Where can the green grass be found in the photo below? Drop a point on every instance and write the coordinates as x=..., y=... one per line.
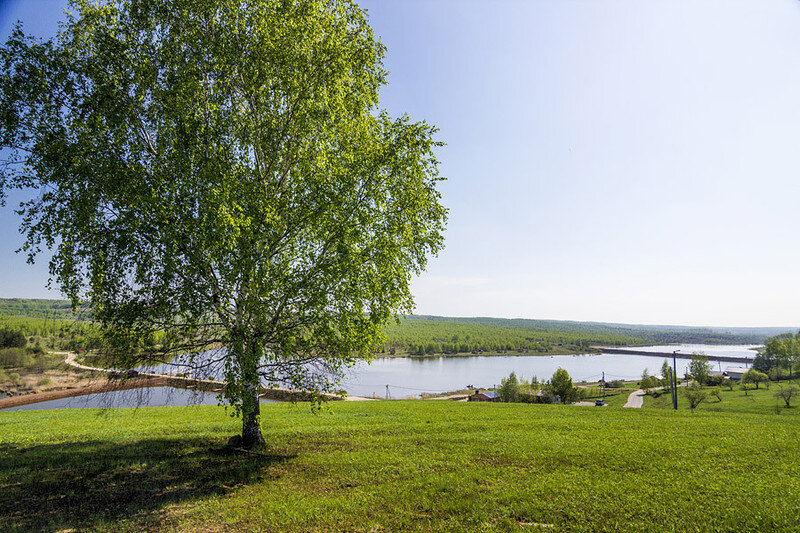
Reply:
x=756, y=401
x=402, y=466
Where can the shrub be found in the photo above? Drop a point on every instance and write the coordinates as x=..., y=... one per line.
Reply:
x=10, y=338
x=14, y=378
x=528, y=397
x=648, y=383
x=13, y=357
x=787, y=393
x=44, y=381
x=616, y=384
x=754, y=376
x=695, y=394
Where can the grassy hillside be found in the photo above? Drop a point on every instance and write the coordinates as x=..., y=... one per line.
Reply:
x=402, y=466
x=755, y=401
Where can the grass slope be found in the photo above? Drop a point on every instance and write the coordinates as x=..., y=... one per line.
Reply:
x=761, y=400
x=402, y=466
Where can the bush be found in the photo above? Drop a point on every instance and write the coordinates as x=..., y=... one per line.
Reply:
x=14, y=357
x=715, y=381
x=648, y=383
x=527, y=397
x=10, y=338
x=14, y=378
x=695, y=394
x=44, y=381
x=616, y=384
x=755, y=377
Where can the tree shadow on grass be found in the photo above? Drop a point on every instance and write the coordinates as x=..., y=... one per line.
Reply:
x=94, y=483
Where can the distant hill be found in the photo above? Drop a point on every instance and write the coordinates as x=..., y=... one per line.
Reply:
x=655, y=333
x=430, y=335
x=39, y=308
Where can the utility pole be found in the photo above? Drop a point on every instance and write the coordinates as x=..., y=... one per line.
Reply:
x=674, y=381
x=603, y=388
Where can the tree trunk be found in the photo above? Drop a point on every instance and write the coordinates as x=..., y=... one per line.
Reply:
x=251, y=429
x=251, y=408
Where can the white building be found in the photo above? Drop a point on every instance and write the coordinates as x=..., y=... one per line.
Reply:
x=736, y=372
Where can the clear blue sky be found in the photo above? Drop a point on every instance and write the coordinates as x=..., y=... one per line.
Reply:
x=608, y=160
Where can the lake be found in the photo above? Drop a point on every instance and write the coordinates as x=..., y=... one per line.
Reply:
x=145, y=397
x=409, y=377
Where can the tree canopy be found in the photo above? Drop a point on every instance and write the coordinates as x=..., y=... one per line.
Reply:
x=219, y=172
x=699, y=368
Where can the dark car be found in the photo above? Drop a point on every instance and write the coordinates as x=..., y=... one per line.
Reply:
x=599, y=403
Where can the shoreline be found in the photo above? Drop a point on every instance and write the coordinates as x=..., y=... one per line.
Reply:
x=110, y=386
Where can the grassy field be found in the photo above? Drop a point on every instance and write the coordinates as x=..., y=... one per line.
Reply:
x=402, y=466
x=761, y=400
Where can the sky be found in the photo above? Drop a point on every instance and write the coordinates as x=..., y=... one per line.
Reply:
x=606, y=160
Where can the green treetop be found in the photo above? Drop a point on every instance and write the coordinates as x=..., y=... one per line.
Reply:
x=218, y=171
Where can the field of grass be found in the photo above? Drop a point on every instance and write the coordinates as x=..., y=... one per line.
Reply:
x=402, y=466
x=761, y=400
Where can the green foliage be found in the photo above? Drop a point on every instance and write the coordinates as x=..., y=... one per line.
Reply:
x=509, y=388
x=787, y=394
x=418, y=336
x=402, y=466
x=12, y=338
x=699, y=368
x=695, y=394
x=40, y=308
x=781, y=352
x=561, y=386
x=219, y=172
x=652, y=334
x=44, y=381
x=754, y=377
x=14, y=357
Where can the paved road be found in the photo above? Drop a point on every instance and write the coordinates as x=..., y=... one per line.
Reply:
x=636, y=399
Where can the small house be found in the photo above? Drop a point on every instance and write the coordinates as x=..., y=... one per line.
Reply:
x=488, y=396
x=736, y=372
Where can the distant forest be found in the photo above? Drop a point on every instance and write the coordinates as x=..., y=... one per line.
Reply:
x=41, y=309
x=422, y=335
x=653, y=333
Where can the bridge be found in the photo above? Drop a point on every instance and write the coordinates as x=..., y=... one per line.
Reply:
x=679, y=355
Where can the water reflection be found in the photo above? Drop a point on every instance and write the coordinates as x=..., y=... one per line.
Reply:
x=144, y=397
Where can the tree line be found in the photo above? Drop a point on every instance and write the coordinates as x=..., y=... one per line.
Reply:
x=427, y=337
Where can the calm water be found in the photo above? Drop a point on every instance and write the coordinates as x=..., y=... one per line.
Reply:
x=408, y=377
x=146, y=397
